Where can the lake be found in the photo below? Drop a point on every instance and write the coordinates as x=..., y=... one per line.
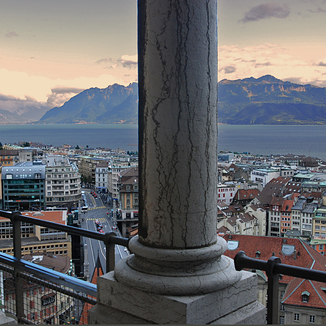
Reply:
x=256, y=139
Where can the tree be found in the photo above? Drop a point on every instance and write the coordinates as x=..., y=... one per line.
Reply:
x=1, y=146
x=26, y=144
x=77, y=147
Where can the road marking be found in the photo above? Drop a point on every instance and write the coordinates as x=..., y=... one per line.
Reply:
x=94, y=219
x=97, y=207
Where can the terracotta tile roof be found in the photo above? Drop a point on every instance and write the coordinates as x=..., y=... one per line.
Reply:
x=315, y=194
x=274, y=188
x=129, y=181
x=51, y=216
x=58, y=263
x=291, y=251
x=98, y=271
x=246, y=194
x=246, y=217
x=295, y=289
x=287, y=206
x=276, y=201
x=222, y=230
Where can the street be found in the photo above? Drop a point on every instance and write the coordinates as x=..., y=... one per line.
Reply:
x=95, y=248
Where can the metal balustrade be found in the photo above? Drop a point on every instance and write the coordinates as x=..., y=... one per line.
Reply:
x=35, y=294
x=273, y=268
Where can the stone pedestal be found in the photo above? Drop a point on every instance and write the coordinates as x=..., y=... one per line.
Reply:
x=122, y=304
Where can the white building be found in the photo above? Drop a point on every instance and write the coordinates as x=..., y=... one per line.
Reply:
x=62, y=181
x=264, y=175
x=226, y=192
x=101, y=176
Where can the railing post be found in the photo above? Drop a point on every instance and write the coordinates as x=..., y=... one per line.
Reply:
x=110, y=252
x=17, y=253
x=272, y=291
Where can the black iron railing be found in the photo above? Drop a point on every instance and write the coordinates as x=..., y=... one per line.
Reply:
x=20, y=266
x=273, y=268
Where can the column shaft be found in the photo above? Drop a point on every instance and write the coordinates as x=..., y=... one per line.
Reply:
x=178, y=123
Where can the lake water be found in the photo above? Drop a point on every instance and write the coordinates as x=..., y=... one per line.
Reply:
x=256, y=139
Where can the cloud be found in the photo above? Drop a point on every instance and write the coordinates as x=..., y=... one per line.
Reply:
x=126, y=61
x=104, y=61
x=229, y=69
x=270, y=59
x=9, y=98
x=17, y=105
x=318, y=11
x=264, y=64
x=129, y=61
x=267, y=10
x=11, y=34
x=60, y=95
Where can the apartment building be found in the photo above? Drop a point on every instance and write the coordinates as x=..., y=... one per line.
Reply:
x=9, y=157
x=114, y=171
x=23, y=186
x=37, y=238
x=101, y=176
x=41, y=304
x=275, y=208
x=286, y=216
x=242, y=223
x=225, y=193
x=129, y=199
x=264, y=176
x=62, y=182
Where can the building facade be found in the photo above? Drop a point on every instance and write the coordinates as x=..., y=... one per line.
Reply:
x=23, y=186
x=101, y=177
x=62, y=182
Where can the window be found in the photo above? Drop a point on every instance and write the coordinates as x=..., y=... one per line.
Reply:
x=296, y=317
x=305, y=298
x=311, y=319
x=281, y=320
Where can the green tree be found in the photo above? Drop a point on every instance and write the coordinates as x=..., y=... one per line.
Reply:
x=26, y=144
x=77, y=147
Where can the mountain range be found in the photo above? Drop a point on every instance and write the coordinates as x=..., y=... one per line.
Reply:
x=114, y=104
x=264, y=100
x=268, y=100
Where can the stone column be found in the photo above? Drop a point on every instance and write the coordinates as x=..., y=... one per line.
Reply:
x=177, y=273
x=177, y=53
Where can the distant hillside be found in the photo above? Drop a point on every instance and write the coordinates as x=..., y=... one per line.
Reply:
x=114, y=104
x=268, y=100
x=264, y=100
x=14, y=111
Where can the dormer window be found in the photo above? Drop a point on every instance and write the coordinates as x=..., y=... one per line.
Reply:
x=305, y=296
x=257, y=254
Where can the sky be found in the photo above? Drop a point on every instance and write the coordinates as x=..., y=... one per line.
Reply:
x=52, y=50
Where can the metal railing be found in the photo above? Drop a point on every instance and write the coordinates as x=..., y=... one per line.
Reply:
x=273, y=268
x=18, y=271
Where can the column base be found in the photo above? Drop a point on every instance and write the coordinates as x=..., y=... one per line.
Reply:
x=122, y=304
x=177, y=272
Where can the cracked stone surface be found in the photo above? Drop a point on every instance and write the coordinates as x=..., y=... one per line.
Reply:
x=178, y=124
x=163, y=309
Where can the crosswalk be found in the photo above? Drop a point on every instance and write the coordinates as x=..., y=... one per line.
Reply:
x=97, y=207
x=102, y=219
